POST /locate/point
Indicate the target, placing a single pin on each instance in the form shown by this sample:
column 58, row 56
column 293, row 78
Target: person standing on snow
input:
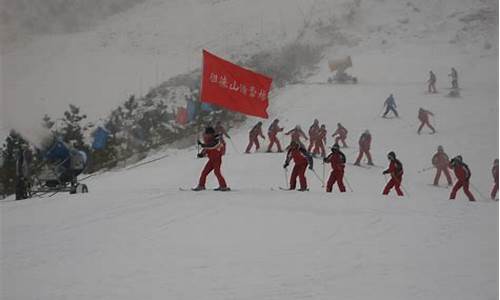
column 313, row 134
column 365, row 141
column 494, row 172
column 441, row 162
column 213, row 148
column 337, row 161
column 296, row 134
column 319, row 143
column 454, row 78
column 253, row 137
column 432, row 82
column 390, row 105
column 221, row 132
column 396, row 171
column 302, row 159
column 423, row 117
column 272, row 132
column 341, row 135
column 463, row 174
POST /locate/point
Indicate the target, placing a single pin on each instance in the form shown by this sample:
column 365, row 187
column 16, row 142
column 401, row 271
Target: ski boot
column 198, row 188
column 222, row 189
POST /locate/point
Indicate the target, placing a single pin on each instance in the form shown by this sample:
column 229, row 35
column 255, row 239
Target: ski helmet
column 209, row 130
column 440, row 148
column 391, row 155
column 335, row 147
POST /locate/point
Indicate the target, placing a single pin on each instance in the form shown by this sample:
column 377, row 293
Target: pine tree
column 12, row 145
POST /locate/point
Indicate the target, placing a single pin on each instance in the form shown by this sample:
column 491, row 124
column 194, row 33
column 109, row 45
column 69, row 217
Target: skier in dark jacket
column 302, row 159
column 337, row 161
column 213, row 148
column 390, row 105
column 396, row 171
column 463, row 174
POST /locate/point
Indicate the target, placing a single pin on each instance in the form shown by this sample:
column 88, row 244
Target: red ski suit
column 296, row 134
column 494, row 172
column 313, row 136
column 423, row 116
column 396, row 171
column 341, row 134
column 337, row 161
column 213, row 148
column 319, row 143
column 462, row 172
column 272, row 134
column 253, row 138
column 301, row 158
column 441, row 162
column 365, row 142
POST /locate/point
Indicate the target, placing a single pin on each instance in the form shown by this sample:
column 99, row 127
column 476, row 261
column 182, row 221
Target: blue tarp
column 100, row 138
column 191, row 110
column 206, row 107
column 58, row 152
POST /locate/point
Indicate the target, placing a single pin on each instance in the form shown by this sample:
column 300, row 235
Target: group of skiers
column 213, row 147
column 431, row 83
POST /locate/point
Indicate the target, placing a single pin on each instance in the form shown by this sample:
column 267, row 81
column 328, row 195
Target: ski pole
column 348, row 184
column 234, row 146
column 477, row 190
column 323, row 185
column 425, row 169
column 317, row 176
column 286, row 178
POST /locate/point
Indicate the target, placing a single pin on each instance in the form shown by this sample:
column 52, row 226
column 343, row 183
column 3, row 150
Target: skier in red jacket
column 341, row 134
column 423, row 116
column 494, row 172
column 212, row 148
column 337, row 161
column 319, row 143
column 365, row 141
column 253, row 137
column 441, row 162
column 221, row 132
column 302, row 159
column 272, row 132
column 313, row 134
column 462, row 172
column 296, row 134
column 396, row 171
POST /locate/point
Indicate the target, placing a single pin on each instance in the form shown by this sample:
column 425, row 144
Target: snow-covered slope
column 136, row 236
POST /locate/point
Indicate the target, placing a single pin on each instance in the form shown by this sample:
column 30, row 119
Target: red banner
column 233, row 87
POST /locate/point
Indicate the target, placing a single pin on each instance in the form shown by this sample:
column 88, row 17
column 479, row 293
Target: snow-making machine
column 57, row 172
column 339, row 66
